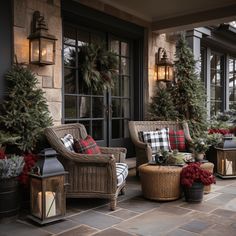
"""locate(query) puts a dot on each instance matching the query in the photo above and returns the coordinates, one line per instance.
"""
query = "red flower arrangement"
(193, 173)
(219, 131)
(30, 160)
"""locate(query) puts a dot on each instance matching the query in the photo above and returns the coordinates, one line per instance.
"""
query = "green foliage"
(162, 105)
(98, 66)
(11, 167)
(7, 138)
(224, 120)
(189, 92)
(24, 112)
(203, 143)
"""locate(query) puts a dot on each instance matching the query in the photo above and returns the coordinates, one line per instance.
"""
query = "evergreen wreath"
(98, 66)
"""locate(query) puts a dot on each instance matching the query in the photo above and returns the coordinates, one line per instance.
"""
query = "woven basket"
(207, 166)
(160, 182)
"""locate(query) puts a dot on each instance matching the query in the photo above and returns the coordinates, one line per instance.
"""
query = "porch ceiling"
(178, 14)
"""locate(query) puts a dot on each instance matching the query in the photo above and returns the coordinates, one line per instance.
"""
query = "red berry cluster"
(193, 173)
(30, 160)
(2, 154)
(219, 131)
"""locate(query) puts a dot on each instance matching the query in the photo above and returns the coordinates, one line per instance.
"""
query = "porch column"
(194, 40)
(6, 43)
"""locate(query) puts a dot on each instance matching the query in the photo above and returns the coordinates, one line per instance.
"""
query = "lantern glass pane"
(34, 50)
(47, 50)
(170, 73)
(36, 204)
(54, 196)
(161, 73)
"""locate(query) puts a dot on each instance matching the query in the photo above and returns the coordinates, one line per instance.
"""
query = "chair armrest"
(141, 145)
(88, 158)
(118, 152)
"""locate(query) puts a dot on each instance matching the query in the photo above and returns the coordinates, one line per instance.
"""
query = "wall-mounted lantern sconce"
(42, 44)
(165, 70)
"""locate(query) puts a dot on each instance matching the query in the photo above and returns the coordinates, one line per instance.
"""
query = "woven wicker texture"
(143, 150)
(160, 182)
(207, 166)
(90, 176)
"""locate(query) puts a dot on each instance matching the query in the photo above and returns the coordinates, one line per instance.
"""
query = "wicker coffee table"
(160, 183)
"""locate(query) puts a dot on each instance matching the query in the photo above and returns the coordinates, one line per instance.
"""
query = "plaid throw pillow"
(177, 140)
(157, 139)
(86, 146)
(68, 141)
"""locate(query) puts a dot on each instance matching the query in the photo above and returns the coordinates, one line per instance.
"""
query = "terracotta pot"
(199, 156)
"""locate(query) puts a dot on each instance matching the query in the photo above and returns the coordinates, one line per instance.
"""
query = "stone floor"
(216, 215)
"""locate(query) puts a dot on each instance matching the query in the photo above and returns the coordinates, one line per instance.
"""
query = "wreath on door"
(97, 66)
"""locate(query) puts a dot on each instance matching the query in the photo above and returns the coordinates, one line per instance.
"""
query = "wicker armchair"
(90, 176)
(143, 150)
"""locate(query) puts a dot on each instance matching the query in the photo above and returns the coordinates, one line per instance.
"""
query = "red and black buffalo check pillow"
(86, 146)
(177, 140)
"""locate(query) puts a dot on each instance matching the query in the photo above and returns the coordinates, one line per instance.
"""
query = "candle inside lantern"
(50, 204)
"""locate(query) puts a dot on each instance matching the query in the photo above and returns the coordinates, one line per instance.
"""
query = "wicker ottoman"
(160, 182)
(207, 166)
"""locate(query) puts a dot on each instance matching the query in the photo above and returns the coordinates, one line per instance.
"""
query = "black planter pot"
(194, 193)
(9, 198)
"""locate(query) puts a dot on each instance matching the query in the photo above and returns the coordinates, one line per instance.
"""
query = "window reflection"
(216, 83)
(69, 55)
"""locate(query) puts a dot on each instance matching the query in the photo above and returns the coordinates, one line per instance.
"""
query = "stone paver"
(112, 232)
(204, 207)
(138, 216)
(196, 226)
(82, 230)
(95, 219)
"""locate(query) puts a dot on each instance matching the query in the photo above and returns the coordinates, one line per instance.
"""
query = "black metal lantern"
(42, 44)
(165, 71)
(47, 189)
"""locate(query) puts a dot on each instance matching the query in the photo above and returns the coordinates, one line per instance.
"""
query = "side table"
(160, 182)
(226, 162)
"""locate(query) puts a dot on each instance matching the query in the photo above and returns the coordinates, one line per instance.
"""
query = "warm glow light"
(50, 204)
(164, 67)
(42, 44)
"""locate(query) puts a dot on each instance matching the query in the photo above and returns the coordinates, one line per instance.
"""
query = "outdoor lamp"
(41, 43)
(164, 66)
(47, 189)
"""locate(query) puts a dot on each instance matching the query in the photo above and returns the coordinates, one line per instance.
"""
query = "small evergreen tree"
(162, 106)
(24, 112)
(189, 92)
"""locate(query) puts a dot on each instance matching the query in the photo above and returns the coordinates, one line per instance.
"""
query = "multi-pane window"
(232, 83)
(81, 104)
(120, 94)
(216, 83)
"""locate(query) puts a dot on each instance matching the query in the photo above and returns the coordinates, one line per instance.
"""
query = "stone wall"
(49, 77)
(156, 41)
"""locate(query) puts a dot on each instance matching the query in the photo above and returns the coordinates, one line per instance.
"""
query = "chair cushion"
(121, 172)
(86, 146)
(177, 140)
(68, 141)
(158, 139)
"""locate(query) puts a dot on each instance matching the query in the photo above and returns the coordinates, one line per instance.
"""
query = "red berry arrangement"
(193, 173)
(30, 160)
(220, 131)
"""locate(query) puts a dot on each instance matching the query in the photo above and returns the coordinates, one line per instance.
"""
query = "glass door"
(120, 96)
(105, 114)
